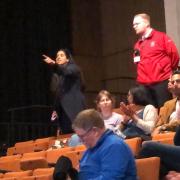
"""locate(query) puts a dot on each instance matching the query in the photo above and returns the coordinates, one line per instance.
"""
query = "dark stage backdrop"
(28, 29)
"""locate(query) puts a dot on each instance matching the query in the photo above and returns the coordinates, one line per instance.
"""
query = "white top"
(176, 114)
(149, 120)
(113, 121)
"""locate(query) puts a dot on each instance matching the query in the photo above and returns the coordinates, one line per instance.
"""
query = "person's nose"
(106, 101)
(175, 83)
(134, 26)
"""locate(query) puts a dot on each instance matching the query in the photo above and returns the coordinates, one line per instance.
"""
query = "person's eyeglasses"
(82, 136)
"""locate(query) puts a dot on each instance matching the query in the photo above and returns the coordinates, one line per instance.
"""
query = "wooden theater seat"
(41, 146)
(43, 171)
(19, 174)
(148, 168)
(6, 158)
(169, 141)
(10, 163)
(43, 143)
(1, 175)
(34, 154)
(24, 147)
(28, 178)
(163, 135)
(164, 138)
(80, 148)
(44, 177)
(31, 161)
(10, 178)
(54, 154)
(134, 144)
(11, 151)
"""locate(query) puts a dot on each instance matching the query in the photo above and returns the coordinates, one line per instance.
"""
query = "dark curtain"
(28, 29)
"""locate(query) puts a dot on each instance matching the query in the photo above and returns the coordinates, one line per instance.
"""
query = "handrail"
(29, 107)
(116, 78)
(12, 111)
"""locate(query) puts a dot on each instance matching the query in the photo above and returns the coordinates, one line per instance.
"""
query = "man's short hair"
(176, 72)
(144, 16)
(88, 119)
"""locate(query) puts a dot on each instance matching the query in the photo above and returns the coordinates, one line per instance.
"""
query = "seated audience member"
(171, 87)
(170, 112)
(169, 154)
(107, 156)
(105, 104)
(74, 141)
(140, 116)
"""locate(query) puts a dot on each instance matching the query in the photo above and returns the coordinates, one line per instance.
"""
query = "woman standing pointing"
(69, 99)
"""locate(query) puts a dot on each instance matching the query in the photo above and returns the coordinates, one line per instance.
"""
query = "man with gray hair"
(156, 56)
(107, 157)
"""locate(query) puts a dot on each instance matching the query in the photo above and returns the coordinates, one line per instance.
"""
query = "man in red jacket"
(156, 57)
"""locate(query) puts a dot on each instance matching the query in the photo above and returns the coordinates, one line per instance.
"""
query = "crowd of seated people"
(112, 120)
(169, 154)
(169, 114)
(169, 120)
(140, 119)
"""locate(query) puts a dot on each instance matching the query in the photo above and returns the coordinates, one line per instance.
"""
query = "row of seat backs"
(35, 160)
(37, 174)
(147, 169)
(44, 159)
(35, 145)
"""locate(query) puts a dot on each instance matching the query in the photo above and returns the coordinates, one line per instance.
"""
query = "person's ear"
(96, 131)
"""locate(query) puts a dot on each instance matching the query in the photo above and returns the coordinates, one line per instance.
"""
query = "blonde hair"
(144, 16)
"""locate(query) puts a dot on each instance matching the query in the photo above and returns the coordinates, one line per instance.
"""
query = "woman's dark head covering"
(140, 95)
(63, 169)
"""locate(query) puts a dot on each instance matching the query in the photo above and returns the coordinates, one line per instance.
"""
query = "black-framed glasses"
(82, 136)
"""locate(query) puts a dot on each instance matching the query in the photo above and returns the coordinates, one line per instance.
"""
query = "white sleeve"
(149, 120)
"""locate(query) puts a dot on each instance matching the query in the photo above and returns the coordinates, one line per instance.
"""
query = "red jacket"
(158, 58)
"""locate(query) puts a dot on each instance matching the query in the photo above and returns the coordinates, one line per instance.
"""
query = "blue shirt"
(110, 159)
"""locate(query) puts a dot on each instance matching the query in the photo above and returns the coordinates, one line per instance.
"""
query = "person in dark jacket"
(69, 99)
(64, 169)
